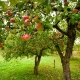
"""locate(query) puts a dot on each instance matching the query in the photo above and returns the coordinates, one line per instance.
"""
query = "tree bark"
(36, 65)
(65, 59)
(69, 48)
(37, 62)
(66, 69)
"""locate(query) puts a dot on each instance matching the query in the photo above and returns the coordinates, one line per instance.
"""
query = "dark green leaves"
(13, 2)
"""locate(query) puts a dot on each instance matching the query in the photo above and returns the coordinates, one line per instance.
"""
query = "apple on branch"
(12, 20)
(36, 19)
(39, 27)
(25, 37)
(26, 17)
(75, 10)
(27, 22)
(9, 12)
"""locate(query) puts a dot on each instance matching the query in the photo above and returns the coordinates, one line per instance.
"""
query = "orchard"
(29, 27)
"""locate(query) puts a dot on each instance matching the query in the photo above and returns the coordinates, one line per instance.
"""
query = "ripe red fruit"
(25, 37)
(9, 12)
(75, 10)
(27, 22)
(26, 17)
(39, 27)
(12, 20)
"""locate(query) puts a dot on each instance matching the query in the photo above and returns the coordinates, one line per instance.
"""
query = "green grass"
(22, 69)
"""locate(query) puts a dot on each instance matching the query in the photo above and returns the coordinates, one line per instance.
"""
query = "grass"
(22, 69)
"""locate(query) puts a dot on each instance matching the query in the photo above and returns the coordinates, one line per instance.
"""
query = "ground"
(22, 69)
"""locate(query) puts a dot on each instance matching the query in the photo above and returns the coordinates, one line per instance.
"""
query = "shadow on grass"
(23, 70)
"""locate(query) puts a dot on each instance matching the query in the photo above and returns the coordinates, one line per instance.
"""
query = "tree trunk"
(65, 59)
(37, 61)
(36, 65)
(66, 69)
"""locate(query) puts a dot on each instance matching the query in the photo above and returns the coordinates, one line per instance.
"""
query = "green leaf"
(20, 4)
(13, 2)
(3, 5)
(46, 2)
(48, 9)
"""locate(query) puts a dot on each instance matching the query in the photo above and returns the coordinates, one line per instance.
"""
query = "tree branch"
(60, 30)
(59, 50)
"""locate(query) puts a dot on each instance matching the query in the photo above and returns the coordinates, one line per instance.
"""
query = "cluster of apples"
(12, 20)
(10, 13)
(25, 37)
(26, 19)
(36, 19)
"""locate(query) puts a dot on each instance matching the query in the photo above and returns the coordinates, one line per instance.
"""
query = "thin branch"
(59, 50)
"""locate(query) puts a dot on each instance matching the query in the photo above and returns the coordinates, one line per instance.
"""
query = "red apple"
(39, 27)
(25, 37)
(75, 10)
(9, 12)
(27, 22)
(12, 20)
(26, 17)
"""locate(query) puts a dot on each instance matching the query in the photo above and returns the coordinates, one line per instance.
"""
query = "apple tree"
(28, 45)
(48, 15)
(27, 34)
